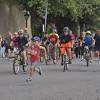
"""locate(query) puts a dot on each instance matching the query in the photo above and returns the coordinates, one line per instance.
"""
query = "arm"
(93, 42)
(45, 53)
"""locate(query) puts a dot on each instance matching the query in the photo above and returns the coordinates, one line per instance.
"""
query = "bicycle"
(18, 62)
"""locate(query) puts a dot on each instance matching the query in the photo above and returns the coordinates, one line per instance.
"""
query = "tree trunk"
(77, 29)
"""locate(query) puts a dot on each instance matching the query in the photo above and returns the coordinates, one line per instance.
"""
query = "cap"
(89, 32)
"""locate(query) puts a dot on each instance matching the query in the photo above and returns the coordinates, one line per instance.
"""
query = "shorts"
(65, 47)
(35, 65)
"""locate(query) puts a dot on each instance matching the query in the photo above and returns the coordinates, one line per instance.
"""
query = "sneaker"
(29, 80)
(69, 62)
(54, 61)
(40, 73)
(62, 63)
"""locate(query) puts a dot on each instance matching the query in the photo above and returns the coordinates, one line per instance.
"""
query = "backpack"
(88, 40)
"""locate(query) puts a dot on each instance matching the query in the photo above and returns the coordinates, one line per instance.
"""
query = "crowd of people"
(10, 42)
(67, 43)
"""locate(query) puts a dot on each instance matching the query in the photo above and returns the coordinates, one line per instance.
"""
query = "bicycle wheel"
(24, 68)
(65, 64)
(16, 66)
(87, 62)
(65, 67)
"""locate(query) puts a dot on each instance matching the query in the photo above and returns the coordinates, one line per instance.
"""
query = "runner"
(34, 52)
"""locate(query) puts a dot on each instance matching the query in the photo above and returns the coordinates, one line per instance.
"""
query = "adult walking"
(97, 42)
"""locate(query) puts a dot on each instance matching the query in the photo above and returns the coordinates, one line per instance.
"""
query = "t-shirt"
(54, 38)
(88, 40)
(97, 40)
(66, 38)
(35, 54)
(21, 41)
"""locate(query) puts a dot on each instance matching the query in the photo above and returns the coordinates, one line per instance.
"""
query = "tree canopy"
(81, 11)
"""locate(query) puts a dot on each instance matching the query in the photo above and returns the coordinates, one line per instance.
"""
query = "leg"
(24, 57)
(99, 55)
(54, 59)
(3, 52)
(76, 52)
(68, 51)
(30, 73)
(62, 54)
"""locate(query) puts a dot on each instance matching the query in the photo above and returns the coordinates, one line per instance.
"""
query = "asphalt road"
(78, 83)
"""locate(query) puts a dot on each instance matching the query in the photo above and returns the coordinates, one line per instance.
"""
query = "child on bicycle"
(89, 41)
(34, 57)
(66, 45)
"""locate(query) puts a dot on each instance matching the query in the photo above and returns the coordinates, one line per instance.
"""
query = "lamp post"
(43, 26)
(45, 19)
(26, 16)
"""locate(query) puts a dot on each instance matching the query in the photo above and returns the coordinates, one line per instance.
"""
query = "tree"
(76, 12)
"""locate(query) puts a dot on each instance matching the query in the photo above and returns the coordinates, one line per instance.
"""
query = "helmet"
(88, 32)
(36, 38)
(65, 29)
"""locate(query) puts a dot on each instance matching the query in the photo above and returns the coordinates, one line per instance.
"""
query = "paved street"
(78, 83)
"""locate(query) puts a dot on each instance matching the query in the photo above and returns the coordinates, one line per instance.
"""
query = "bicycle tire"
(87, 62)
(24, 68)
(65, 63)
(66, 66)
(64, 69)
(15, 68)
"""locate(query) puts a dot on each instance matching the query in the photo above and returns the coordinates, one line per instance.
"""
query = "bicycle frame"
(87, 55)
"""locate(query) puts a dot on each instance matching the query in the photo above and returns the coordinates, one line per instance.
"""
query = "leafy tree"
(76, 12)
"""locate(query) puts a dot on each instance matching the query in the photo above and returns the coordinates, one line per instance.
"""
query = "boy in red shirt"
(35, 57)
